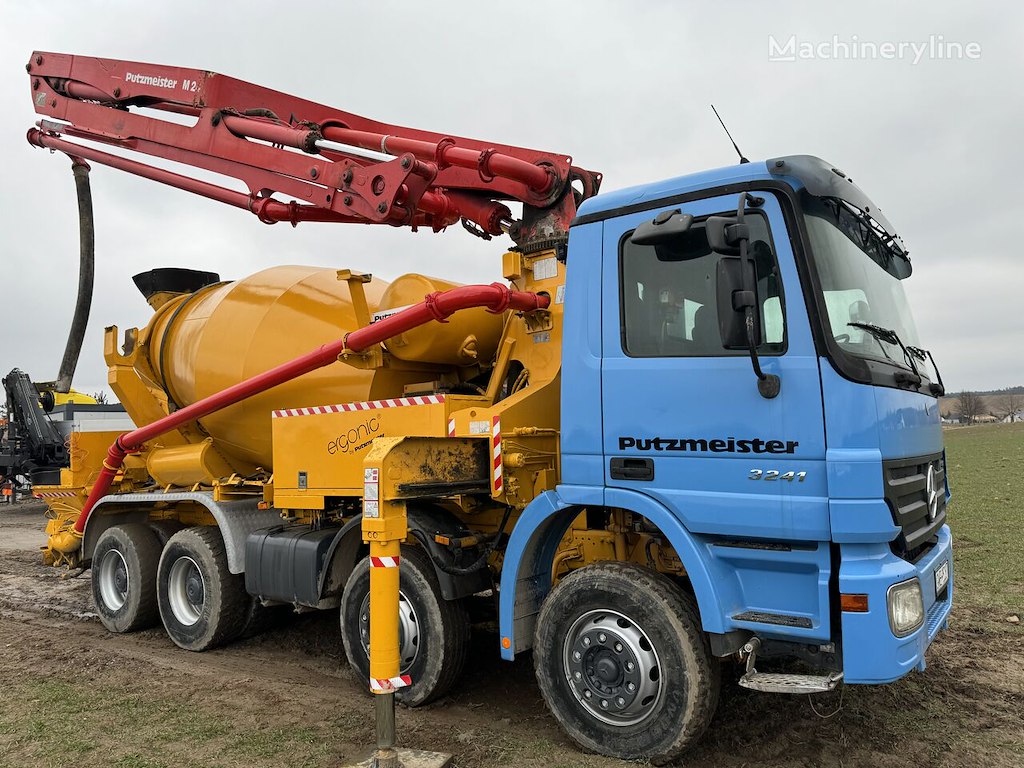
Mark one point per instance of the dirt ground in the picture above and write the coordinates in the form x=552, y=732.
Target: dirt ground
x=72, y=694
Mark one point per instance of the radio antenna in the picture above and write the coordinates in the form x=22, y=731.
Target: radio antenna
x=742, y=158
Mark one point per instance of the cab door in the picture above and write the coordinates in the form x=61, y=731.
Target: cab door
x=684, y=422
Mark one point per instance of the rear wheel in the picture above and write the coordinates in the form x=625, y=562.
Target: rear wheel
x=433, y=632
x=124, y=565
x=202, y=604
x=623, y=664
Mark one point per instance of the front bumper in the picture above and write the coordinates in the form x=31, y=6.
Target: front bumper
x=871, y=652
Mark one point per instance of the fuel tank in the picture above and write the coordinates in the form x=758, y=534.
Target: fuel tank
x=204, y=341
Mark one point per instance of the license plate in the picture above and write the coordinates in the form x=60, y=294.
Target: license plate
x=941, y=577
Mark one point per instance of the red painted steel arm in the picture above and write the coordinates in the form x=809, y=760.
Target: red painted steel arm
x=436, y=306
x=341, y=166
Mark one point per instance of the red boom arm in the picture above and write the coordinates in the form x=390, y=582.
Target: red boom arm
x=336, y=166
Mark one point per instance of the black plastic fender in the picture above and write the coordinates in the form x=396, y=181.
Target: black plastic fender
x=348, y=548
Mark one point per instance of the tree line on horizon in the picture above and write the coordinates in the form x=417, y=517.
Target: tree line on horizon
x=1002, y=405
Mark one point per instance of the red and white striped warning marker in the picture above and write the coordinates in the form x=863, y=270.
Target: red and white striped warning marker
x=369, y=405
x=384, y=562
x=54, y=495
x=496, y=452
x=386, y=684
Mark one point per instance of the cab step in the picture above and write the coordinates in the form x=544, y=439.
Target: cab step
x=771, y=682
x=781, y=682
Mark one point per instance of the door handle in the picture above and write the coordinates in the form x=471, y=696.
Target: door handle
x=632, y=469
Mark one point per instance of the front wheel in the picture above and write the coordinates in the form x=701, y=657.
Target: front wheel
x=623, y=664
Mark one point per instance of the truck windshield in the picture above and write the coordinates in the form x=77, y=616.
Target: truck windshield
x=860, y=275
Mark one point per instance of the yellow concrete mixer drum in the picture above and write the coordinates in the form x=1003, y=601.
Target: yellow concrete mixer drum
x=204, y=341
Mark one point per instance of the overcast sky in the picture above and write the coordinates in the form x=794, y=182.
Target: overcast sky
x=622, y=87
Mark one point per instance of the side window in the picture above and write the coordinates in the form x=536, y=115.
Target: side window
x=772, y=320
x=669, y=303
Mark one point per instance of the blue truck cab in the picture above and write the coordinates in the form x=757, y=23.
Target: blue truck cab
x=807, y=505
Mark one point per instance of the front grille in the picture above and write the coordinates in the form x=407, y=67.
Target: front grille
x=906, y=492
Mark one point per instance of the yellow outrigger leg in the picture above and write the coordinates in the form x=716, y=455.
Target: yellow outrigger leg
x=384, y=528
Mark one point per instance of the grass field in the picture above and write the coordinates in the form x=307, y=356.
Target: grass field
x=986, y=469
x=72, y=695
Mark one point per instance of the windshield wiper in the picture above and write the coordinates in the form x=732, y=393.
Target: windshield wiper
x=878, y=333
x=938, y=389
x=890, y=336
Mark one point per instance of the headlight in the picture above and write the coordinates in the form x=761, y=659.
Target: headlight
x=906, y=607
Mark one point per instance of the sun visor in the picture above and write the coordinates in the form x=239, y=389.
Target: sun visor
x=822, y=179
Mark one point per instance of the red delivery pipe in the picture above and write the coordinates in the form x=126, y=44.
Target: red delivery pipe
x=436, y=306
x=489, y=162
x=275, y=133
x=77, y=90
x=446, y=208
x=441, y=305
x=266, y=209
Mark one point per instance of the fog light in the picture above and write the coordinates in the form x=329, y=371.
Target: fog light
x=906, y=607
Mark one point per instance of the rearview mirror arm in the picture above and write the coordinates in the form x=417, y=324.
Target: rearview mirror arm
x=768, y=384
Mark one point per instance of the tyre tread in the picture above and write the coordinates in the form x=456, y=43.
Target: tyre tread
x=454, y=615
x=232, y=615
x=147, y=548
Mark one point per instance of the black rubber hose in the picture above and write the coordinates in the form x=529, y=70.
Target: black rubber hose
x=86, y=274
x=479, y=564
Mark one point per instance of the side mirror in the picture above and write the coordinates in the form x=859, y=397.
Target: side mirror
x=725, y=233
x=739, y=318
x=666, y=226
x=733, y=301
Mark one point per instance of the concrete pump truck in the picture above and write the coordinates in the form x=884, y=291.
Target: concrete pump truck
x=694, y=423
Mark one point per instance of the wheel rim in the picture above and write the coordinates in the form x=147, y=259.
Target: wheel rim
x=612, y=668
x=113, y=579
x=186, y=590
x=408, y=631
